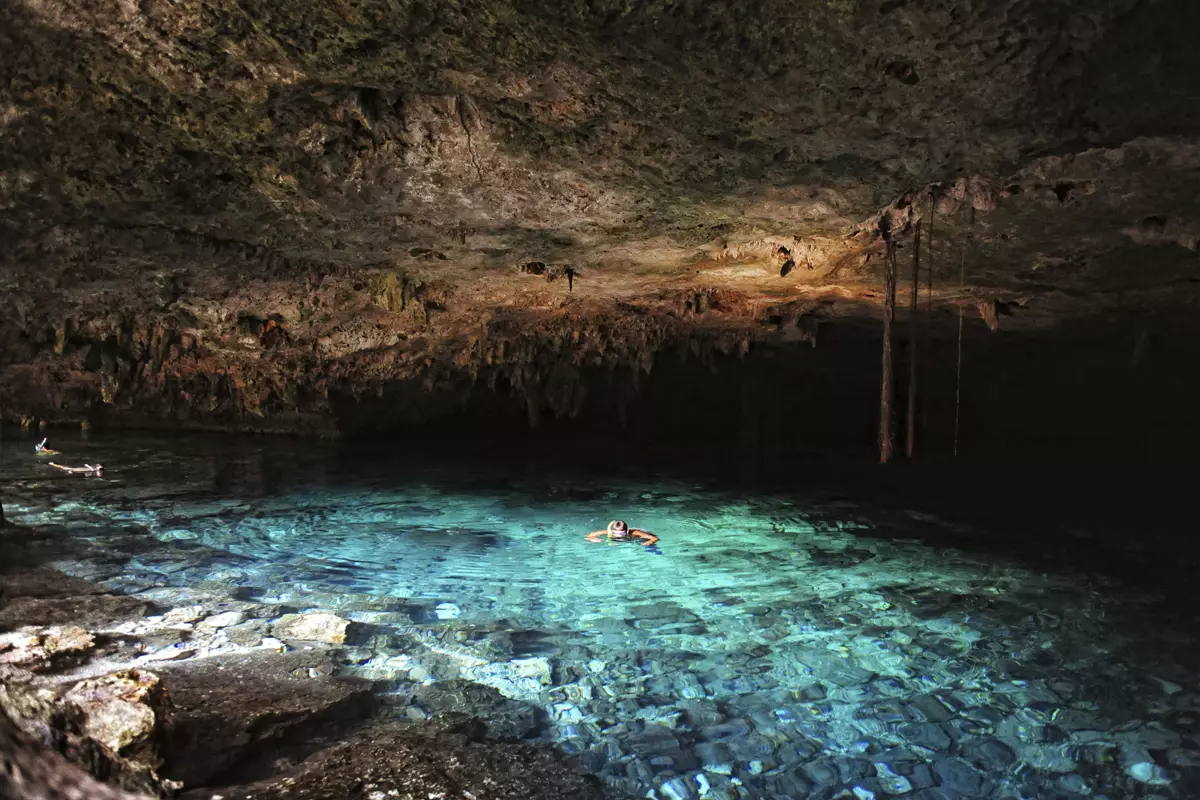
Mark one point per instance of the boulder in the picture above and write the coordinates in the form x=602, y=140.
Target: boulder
x=312, y=627
x=120, y=711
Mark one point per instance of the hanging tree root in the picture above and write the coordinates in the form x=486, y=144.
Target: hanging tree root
x=911, y=433
x=889, y=311
x=962, y=283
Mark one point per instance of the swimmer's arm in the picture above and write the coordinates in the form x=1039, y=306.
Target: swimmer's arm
x=596, y=536
x=647, y=535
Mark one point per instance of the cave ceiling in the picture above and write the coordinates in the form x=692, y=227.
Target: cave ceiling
x=486, y=157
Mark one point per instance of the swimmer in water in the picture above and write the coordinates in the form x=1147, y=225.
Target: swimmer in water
x=618, y=531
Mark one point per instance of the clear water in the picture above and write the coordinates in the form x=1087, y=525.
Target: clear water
x=774, y=645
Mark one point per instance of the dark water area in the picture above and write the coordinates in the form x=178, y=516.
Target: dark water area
x=809, y=627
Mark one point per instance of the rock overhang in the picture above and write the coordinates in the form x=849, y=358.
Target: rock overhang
x=209, y=187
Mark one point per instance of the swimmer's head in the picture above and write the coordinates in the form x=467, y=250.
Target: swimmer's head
x=617, y=528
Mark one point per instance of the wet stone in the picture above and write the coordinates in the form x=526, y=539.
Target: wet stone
x=677, y=789
x=700, y=714
x=313, y=627
x=753, y=747
x=933, y=793
x=822, y=772
x=890, y=783
x=176, y=652
x=219, y=621
x=853, y=770
x=789, y=784
x=959, y=777
x=984, y=716
x=185, y=614
x=1073, y=719
x=928, y=735
x=1058, y=758
x=1074, y=784
x=1151, y=737
x=652, y=741
x=921, y=776
x=990, y=754
x=1149, y=773
x=799, y=749
x=715, y=755
x=929, y=708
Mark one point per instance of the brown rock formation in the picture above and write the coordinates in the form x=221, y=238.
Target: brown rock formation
x=285, y=215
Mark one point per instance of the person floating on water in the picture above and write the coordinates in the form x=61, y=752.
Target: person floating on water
x=619, y=531
x=41, y=449
x=86, y=469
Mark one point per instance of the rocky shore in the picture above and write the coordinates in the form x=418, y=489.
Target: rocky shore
x=188, y=693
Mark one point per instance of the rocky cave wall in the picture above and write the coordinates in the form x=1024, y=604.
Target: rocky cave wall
x=1111, y=393
x=338, y=218
x=699, y=378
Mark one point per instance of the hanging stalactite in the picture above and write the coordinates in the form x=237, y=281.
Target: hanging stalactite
x=889, y=312
x=911, y=433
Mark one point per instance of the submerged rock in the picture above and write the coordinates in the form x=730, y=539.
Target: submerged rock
x=389, y=762
x=1149, y=773
x=520, y=679
x=480, y=712
x=312, y=627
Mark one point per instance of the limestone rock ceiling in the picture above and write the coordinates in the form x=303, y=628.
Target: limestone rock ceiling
x=462, y=158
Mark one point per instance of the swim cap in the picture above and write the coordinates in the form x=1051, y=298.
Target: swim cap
x=617, y=525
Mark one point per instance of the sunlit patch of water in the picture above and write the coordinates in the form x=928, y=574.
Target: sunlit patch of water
x=769, y=646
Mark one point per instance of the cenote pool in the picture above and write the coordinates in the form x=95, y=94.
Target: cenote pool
x=777, y=644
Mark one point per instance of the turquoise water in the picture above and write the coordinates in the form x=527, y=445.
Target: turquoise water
x=772, y=645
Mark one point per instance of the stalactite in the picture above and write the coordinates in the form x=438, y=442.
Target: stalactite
x=910, y=439
x=889, y=311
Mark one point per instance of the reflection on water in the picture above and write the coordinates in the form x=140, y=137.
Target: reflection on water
x=772, y=647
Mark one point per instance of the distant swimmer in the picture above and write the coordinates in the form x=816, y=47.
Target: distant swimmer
x=618, y=531
x=41, y=449
x=86, y=469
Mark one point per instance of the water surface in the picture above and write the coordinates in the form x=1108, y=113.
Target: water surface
x=774, y=644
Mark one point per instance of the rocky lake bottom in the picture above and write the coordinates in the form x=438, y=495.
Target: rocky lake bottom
x=771, y=645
